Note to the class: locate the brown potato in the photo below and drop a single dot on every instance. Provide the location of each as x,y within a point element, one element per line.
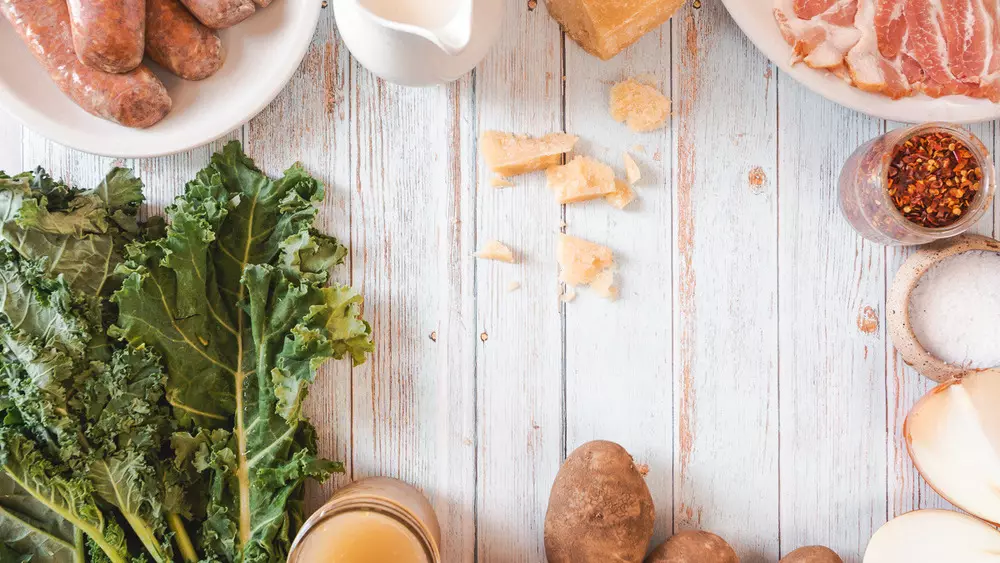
<point>600,509</point>
<point>693,546</point>
<point>812,554</point>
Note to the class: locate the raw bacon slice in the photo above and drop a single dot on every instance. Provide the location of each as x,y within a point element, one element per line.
<point>819,31</point>
<point>899,47</point>
<point>870,68</point>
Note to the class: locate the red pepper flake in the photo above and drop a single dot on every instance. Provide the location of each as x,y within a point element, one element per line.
<point>933,179</point>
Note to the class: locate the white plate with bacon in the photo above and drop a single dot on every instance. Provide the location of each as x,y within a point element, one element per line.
<point>902,60</point>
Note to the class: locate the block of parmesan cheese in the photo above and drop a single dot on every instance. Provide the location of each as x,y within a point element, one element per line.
<point>642,107</point>
<point>495,250</point>
<point>604,27</point>
<point>622,196</point>
<point>581,261</point>
<point>508,154</point>
<point>581,179</point>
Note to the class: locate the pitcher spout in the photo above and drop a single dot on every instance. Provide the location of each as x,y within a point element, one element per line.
<point>454,37</point>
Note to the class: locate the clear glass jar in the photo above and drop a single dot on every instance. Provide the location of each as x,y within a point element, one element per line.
<point>864,195</point>
<point>375,520</point>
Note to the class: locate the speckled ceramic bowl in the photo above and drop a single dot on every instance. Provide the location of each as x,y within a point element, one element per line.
<point>898,303</point>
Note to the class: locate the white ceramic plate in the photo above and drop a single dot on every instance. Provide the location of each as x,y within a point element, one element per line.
<point>262,53</point>
<point>756,18</point>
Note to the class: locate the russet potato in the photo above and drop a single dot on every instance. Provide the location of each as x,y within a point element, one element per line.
<point>600,509</point>
<point>693,546</point>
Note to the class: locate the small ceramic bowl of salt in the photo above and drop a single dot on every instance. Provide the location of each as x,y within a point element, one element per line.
<point>944,307</point>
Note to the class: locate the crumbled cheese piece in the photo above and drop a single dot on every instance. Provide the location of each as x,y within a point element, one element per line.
<point>632,172</point>
<point>604,284</point>
<point>622,196</point>
<point>501,182</point>
<point>509,154</point>
<point>640,105</point>
<point>582,179</point>
<point>569,295</point>
<point>495,250</point>
<point>581,261</point>
<point>603,28</point>
<point>639,149</point>
<point>513,286</point>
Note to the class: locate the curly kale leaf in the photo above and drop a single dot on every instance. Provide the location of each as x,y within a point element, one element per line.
<point>234,299</point>
<point>32,531</point>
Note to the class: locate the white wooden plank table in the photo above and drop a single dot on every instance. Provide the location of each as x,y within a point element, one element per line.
<point>746,363</point>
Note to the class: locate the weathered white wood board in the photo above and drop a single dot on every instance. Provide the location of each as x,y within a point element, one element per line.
<point>725,285</point>
<point>746,362</point>
<point>832,416</point>
<point>635,332</point>
<point>519,383</point>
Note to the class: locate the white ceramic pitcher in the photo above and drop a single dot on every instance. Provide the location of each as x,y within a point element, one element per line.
<point>419,42</point>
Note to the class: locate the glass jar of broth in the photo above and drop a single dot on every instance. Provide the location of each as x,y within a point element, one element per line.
<point>375,520</point>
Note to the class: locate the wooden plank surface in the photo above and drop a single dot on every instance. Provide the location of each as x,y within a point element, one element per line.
<point>619,355</point>
<point>520,418</point>
<point>413,401</point>
<point>832,355</point>
<point>747,361</point>
<point>725,285</point>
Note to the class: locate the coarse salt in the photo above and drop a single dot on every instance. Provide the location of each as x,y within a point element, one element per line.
<point>955,309</point>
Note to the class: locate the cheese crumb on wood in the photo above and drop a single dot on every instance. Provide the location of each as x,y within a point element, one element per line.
<point>581,261</point>
<point>501,182</point>
<point>632,172</point>
<point>604,284</point>
<point>642,107</point>
<point>604,27</point>
<point>622,196</point>
<point>582,179</point>
<point>496,250</point>
<point>513,286</point>
<point>568,295</point>
<point>509,154</point>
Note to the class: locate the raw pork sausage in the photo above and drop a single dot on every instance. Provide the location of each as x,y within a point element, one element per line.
<point>133,99</point>
<point>219,14</point>
<point>179,42</point>
<point>108,34</point>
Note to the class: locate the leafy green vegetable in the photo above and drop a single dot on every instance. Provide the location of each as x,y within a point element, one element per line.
<point>152,377</point>
<point>234,298</point>
<point>31,531</point>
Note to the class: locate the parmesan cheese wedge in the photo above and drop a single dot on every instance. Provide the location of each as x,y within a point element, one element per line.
<point>622,196</point>
<point>508,154</point>
<point>582,179</point>
<point>581,261</point>
<point>496,250</point>
<point>632,173</point>
<point>642,107</point>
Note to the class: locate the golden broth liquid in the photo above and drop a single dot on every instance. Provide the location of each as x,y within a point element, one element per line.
<point>361,537</point>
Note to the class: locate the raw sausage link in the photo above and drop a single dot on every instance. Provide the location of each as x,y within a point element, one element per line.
<point>262,3</point>
<point>108,34</point>
<point>220,14</point>
<point>133,99</point>
<point>179,42</point>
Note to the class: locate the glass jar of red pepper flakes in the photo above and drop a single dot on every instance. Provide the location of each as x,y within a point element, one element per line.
<point>918,184</point>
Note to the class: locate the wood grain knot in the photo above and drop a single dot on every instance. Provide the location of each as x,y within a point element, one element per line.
<point>867,319</point>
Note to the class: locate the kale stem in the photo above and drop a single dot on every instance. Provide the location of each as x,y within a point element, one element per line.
<point>79,543</point>
<point>182,537</point>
